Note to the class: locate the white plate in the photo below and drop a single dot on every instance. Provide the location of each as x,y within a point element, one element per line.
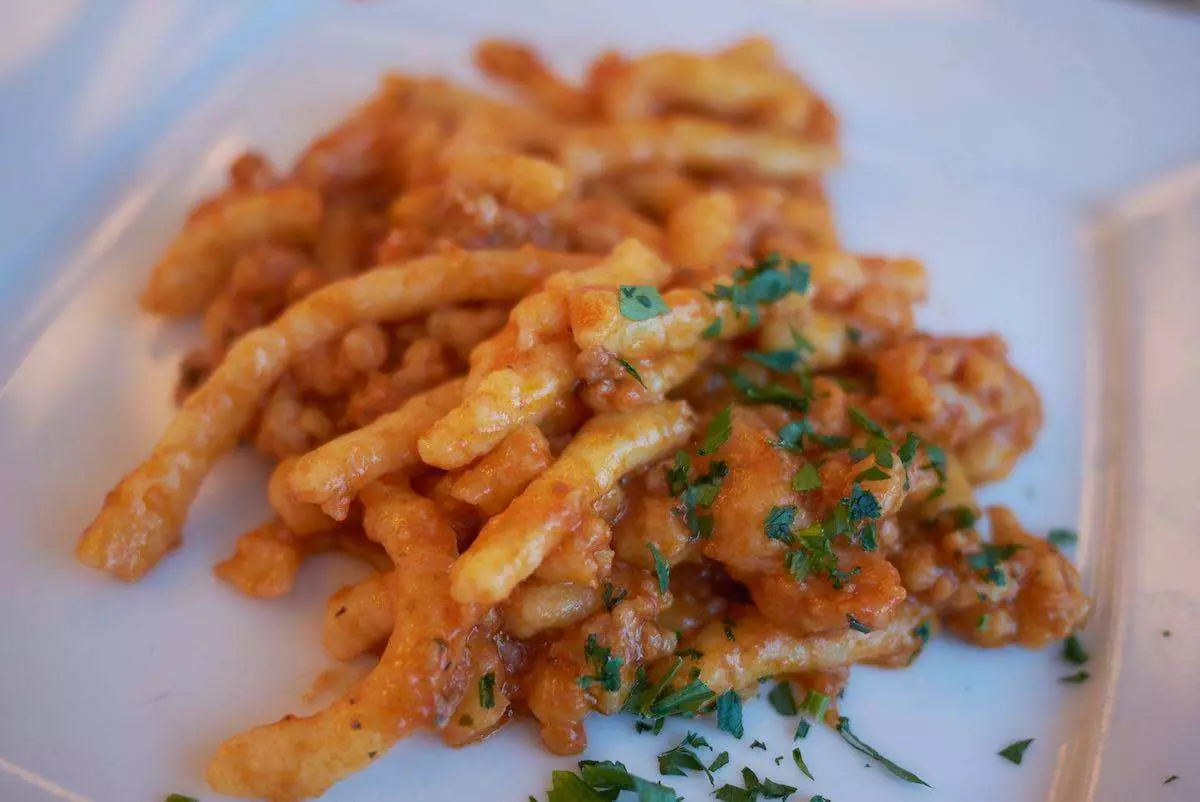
<point>979,138</point>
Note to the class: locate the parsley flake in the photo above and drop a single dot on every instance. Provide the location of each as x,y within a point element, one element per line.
<point>800,764</point>
<point>1073,651</point>
<point>611,596</point>
<point>713,330</point>
<point>605,667</point>
<point>856,625</point>
<point>815,704</point>
<point>782,699</point>
<point>806,478</point>
<point>183,798</point>
<point>641,302</point>
<point>988,559</point>
<point>1062,537</point>
<point>862,504</point>
<point>778,523</point>
<point>718,432</point>
<point>729,714</point>
<point>843,728</point>
<point>1079,676</point>
<point>632,371</point>
<point>662,569</point>
<point>487,691</point>
<point>682,758</point>
<point>1015,751</point>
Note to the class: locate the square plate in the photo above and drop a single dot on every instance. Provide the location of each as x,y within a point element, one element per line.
<point>988,167</point>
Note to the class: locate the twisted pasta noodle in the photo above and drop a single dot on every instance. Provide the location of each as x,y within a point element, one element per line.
<point>301,757</point>
<point>513,544</point>
<point>143,516</point>
<point>198,262</point>
<point>331,475</point>
<point>760,649</point>
<point>694,143</point>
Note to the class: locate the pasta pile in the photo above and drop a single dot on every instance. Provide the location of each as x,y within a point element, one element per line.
<point>590,382</point>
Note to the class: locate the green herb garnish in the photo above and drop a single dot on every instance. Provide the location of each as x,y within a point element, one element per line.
<point>611,596</point>
<point>662,568</point>
<point>632,371</point>
<point>778,523</point>
<point>1073,651</point>
<point>806,478</point>
<point>988,559</point>
<point>856,625</point>
<point>682,758</point>
<point>1079,676</point>
<point>641,302</point>
<point>1015,751</point>
<point>487,691</point>
<point>606,668</point>
<point>843,728</point>
<point>729,713</point>
<point>800,764</point>
<point>782,699</point>
<point>718,432</point>
<point>762,285</point>
<point>1062,537</point>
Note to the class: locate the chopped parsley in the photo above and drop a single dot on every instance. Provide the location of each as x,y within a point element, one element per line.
<point>1171,779</point>
<point>806,478</point>
<point>782,699</point>
<point>644,726</point>
<point>771,393</point>
<point>713,330</point>
<point>662,568</point>
<point>872,474</point>
<point>729,714</point>
<point>719,762</point>
<point>696,493</point>
<point>641,302</point>
<point>718,432</point>
<point>856,625</point>
<point>632,371</point>
<point>1015,751</point>
<point>988,559</point>
<point>802,730</point>
<point>184,798</point>
<point>800,764</point>
<point>1073,651</point>
<point>863,422</point>
<point>815,704</point>
<point>908,449</point>
<point>782,361</point>
<point>1083,675</point>
<point>605,780</point>
<point>843,728</point>
<point>611,596</point>
<point>753,789</point>
<point>487,691</point>
<point>1062,537</point>
<point>682,758</point>
<point>921,632</point>
<point>964,517</point>
<point>728,624</point>
<point>758,745</point>
<point>766,282</point>
<point>606,668</point>
<point>854,334</point>
<point>778,523</point>
<point>862,504</point>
